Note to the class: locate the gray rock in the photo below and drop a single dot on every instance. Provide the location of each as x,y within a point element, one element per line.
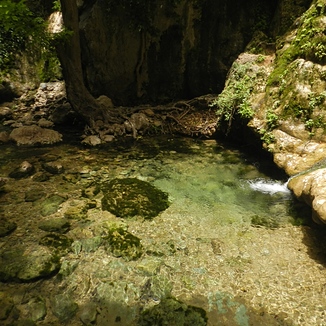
<point>67,268</point>
<point>35,135</point>
<point>91,244</point>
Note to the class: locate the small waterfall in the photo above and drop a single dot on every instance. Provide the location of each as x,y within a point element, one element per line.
<point>268,186</point>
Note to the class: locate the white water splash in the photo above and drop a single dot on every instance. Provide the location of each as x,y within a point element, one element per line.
<point>269,186</point>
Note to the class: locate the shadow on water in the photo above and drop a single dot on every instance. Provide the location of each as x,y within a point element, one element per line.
<point>197,311</point>
<point>315,241</point>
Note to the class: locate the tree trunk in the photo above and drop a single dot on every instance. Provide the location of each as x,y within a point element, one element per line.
<point>69,54</point>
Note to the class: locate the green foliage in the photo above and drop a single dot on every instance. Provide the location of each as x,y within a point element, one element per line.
<point>309,43</point>
<point>19,28</point>
<point>22,31</point>
<point>235,96</point>
<point>267,137</point>
<point>272,119</point>
<point>56,5</point>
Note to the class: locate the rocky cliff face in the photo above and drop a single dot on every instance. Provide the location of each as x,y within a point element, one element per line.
<point>163,50</point>
<point>281,98</point>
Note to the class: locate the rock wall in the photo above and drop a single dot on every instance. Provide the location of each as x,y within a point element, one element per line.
<point>281,98</point>
<point>167,49</point>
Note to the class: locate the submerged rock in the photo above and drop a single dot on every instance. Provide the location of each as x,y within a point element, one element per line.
<point>37,308</point>
<point>173,312</point>
<point>122,243</point>
<point>133,197</point>
<point>63,307</point>
<point>51,204</point>
<point>27,265</point>
<point>58,242</point>
<point>23,171</point>
<point>53,167</point>
<point>92,140</point>
<point>60,225</point>
<point>6,304</point>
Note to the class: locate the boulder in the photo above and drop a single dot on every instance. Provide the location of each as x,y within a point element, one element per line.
<point>92,140</point>
<point>133,197</point>
<point>5,113</point>
<point>35,135</point>
<point>23,171</point>
<point>310,188</point>
<point>27,264</point>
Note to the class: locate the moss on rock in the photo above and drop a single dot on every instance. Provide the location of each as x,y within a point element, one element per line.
<point>132,197</point>
<point>57,241</point>
<point>174,313</point>
<point>122,243</point>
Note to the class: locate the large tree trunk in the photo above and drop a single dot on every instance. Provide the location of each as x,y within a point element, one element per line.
<point>69,54</point>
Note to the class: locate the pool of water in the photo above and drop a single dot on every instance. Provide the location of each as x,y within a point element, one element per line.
<point>233,241</point>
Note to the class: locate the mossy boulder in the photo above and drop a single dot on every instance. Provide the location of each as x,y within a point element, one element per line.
<point>58,242</point>
<point>28,265</point>
<point>174,313</point>
<point>122,243</point>
<point>132,197</point>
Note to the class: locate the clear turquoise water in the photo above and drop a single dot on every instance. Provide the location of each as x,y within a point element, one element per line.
<point>207,179</point>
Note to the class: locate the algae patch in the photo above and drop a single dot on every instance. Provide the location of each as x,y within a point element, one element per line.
<point>173,312</point>
<point>133,197</point>
<point>122,243</point>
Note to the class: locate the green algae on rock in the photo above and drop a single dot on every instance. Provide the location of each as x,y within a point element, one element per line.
<point>19,265</point>
<point>174,313</point>
<point>133,197</point>
<point>51,204</point>
<point>122,243</point>
<point>57,241</point>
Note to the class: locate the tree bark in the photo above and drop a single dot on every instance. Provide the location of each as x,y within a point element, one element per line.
<point>69,54</point>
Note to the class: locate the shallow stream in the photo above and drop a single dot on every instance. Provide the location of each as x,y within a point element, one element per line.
<point>233,241</point>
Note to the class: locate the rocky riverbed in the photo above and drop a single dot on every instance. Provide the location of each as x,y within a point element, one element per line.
<point>215,250</point>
